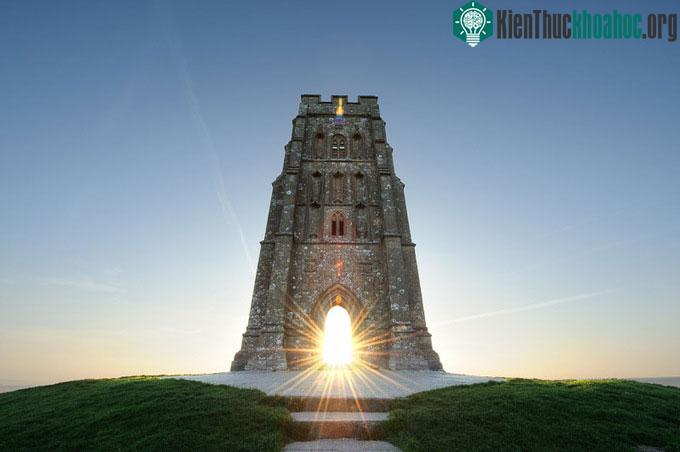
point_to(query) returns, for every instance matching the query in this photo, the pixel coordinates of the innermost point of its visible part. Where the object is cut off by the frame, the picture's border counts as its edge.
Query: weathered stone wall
(304, 268)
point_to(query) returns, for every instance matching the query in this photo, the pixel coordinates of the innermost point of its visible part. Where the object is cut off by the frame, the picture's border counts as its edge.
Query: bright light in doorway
(337, 338)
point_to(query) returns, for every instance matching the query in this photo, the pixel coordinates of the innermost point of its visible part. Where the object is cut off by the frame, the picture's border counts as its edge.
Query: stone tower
(337, 234)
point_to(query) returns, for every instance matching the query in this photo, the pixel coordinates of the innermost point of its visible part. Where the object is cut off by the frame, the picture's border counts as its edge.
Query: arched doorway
(339, 309)
(338, 347)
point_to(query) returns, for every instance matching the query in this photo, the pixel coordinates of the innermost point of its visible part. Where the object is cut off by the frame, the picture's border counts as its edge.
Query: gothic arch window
(338, 147)
(337, 224)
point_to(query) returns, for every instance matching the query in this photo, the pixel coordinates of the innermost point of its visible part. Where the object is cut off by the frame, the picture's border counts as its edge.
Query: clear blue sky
(138, 142)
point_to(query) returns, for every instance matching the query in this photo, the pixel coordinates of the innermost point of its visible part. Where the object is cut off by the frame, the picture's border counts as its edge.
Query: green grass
(140, 413)
(152, 414)
(610, 415)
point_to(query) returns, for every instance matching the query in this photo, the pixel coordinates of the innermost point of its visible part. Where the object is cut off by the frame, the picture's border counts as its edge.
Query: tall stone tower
(337, 234)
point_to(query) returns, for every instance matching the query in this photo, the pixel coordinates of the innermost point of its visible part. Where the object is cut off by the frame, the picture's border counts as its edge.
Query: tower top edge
(310, 99)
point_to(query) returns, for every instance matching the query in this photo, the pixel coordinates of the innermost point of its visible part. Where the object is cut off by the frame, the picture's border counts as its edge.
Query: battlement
(309, 99)
(364, 106)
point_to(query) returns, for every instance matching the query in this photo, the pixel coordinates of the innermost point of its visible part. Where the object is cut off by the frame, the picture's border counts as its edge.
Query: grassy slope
(140, 414)
(538, 415)
(143, 413)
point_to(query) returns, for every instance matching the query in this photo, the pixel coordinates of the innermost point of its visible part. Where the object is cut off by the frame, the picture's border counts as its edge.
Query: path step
(335, 416)
(340, 445)
(335, 424)
(338, 404)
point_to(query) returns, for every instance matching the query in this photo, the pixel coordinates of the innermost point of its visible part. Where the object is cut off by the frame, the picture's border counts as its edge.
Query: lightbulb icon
(473, 21)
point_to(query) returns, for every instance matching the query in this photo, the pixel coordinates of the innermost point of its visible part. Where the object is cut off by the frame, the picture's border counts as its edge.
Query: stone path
(330, 416)
(316, 425)
(362, 384)
(341, 445)
(339, 410)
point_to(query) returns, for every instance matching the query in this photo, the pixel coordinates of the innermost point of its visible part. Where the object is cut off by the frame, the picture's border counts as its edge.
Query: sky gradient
(138, 142)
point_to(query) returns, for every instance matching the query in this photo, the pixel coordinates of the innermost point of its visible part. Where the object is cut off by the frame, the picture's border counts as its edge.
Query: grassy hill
(147, 413)
(140, 413)
(602, 415)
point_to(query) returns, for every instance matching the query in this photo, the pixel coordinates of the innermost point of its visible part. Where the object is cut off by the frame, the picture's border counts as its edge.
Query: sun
(337, 338)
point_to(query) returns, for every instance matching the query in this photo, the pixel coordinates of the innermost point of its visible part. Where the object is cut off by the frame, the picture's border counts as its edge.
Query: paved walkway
(341, 445)
(338, 416)
(338, 427)
(349, 384)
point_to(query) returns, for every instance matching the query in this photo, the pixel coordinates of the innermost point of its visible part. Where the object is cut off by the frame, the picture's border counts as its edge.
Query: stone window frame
(338, 224)
(338, 146)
